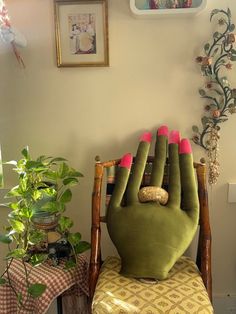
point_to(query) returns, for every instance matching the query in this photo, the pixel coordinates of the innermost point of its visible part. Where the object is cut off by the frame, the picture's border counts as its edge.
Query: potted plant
(38, 230)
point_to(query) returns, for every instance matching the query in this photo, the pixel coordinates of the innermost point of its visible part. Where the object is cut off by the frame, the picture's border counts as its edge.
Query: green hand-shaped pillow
(151, 237)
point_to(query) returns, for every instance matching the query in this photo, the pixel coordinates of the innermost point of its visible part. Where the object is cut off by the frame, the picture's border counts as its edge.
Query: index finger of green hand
(138, 168)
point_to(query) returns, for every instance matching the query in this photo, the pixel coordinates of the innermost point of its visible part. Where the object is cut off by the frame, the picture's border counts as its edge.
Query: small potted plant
(38, 230)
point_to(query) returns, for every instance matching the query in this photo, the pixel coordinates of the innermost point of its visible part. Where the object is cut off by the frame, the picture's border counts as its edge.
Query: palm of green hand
(148, 236)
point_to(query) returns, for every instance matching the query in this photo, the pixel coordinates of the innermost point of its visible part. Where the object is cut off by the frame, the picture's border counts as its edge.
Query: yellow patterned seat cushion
(182, 293)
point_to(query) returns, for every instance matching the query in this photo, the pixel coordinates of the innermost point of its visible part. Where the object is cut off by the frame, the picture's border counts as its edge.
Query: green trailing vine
(220, 97)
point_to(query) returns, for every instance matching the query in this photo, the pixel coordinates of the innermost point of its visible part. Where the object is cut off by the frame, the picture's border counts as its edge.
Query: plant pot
(44, 220)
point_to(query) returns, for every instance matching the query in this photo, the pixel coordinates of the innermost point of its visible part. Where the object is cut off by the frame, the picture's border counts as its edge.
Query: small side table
(57, 279)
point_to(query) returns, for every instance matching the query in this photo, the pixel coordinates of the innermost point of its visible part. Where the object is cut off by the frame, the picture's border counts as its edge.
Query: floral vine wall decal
(220, 98)
(10, 35)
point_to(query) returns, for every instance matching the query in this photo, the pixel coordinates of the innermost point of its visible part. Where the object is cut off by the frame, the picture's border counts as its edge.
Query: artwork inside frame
(81, 33)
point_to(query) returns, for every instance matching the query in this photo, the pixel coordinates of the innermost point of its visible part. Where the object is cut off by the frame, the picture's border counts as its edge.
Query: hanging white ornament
(10, 35)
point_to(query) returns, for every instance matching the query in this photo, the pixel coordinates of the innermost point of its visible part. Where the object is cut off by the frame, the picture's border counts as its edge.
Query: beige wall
(81, 112)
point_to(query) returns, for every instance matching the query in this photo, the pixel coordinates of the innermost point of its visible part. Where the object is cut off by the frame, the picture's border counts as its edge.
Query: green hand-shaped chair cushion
(151, 237)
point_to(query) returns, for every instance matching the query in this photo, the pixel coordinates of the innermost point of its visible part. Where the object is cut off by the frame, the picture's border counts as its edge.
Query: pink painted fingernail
(174, 137)
(163, 130)
(146, 137)
(185, 147)
(126, 161)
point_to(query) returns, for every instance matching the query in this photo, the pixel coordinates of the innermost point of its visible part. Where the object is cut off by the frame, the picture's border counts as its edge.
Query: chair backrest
(107, 171)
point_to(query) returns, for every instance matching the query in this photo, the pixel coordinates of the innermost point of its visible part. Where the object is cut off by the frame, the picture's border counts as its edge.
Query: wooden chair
(203, 259)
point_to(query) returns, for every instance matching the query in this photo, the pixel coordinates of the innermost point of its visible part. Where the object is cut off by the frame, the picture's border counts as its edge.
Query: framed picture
(81, 33)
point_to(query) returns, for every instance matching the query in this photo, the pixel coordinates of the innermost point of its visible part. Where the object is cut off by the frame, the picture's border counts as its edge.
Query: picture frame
(81, 29)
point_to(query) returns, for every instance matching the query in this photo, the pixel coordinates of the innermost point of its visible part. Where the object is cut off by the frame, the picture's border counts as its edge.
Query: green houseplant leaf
(2, 281)
(17, 225)
(65, 223)
(63, 170)
(17, 253)
(38, 259)
(14, 192)
(70, 181)
(66, 196)
(74, 238)
(6, 239)
(36, 290)
(82, 247)
(19, 297)
(25, 152)
(74, 173)
(53, 160)
(70, 264)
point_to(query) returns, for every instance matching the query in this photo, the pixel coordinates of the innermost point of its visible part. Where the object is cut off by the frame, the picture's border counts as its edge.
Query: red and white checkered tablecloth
(57, 280)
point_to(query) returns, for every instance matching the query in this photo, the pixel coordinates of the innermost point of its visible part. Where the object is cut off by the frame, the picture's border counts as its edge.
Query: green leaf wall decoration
(220, 98)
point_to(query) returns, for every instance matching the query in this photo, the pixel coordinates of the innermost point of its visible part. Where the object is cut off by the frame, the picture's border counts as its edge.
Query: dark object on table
(58, 250)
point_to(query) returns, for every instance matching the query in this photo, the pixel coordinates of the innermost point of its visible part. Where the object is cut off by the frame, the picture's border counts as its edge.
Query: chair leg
(59, 305)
